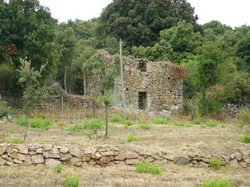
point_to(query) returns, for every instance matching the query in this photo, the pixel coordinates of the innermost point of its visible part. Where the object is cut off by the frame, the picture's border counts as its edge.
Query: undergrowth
(131, 138)
(161, 121)
(145, 167)
(145, 126)
(36, 122)
(245, 139)
(218, 183)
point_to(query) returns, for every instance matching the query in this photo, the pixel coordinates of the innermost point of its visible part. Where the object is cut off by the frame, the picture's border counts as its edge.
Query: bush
(117, 118)
(58, 169)
(179, 124)
(93, 124)
(72, 181)
(197, 121)
(210, 106)
(16, 141)
(218, 183)
(216, 164)
(212, 123)
(245, 139)
(145, 126)
(112, 127)
(39, 123)
(145, 167)
(131, 138)
(128, 123)
(76, 128)
(161, 121)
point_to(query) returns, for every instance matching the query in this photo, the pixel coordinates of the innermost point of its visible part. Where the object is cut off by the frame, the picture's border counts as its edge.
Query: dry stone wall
(103, 156)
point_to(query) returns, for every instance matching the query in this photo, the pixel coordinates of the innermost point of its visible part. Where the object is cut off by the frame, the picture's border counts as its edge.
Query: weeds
(141, 121)
(112, 127)
(117, 118)
(39, 123)
(223, 126)
(197, 121)
(61, 124)
(145, 167)
(179, 124)
(216, 164)
(93, 124)
(58, 169)
(131, 138)
(218, 183)
(42, 142)
(128, 123)
(212, 123)
(161, 121)
(245, 139)
(203, 126)
(72, 181)
(145, 126)
(16, 141)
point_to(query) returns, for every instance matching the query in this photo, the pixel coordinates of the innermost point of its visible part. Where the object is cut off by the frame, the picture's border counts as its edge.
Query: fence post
(62, 104)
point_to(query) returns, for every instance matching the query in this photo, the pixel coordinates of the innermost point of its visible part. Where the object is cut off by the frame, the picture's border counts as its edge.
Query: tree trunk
(84, 85)
(27, 127)
(107, 127)
(94, 108)
(65, 77)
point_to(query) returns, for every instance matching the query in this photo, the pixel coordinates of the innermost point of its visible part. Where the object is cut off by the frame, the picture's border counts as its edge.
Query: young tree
(33, 93)
(107, 100)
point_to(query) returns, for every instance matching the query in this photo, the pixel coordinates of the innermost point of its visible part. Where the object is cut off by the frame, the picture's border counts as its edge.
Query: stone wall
(103, 156)
(143, 76)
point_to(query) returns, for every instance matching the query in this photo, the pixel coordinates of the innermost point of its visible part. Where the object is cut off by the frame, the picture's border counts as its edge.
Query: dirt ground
(169, 138)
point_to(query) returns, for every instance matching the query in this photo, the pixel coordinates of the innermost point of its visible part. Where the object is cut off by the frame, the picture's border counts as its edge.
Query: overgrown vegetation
(245, 139)
(16, 141)
(216, 164)
(117, 118)
(218, 183)
(211, 123)
(131, 138)
(35, 122)
(161, 121)
(145, 167)
(72, 181)
(145, 126)
(58, 168)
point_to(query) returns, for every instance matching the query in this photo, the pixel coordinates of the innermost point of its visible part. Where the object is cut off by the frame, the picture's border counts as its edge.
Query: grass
(35, 122)
(93, 124)
(161, 121)
(112, 127)
(127, 124)
(223, 126)
(216, 164)
(145, 167)
(211, 123)
(218, 183)
(197, 121)
(131, 138)
(117, 118)
(16, 141)
(245, 139)
(145, 126)
(182, 124)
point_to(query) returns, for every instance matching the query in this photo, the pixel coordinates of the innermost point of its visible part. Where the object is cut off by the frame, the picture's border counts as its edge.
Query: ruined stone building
(147, 85)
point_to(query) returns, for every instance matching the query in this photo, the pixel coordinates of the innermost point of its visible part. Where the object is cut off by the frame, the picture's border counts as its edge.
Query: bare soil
(212, 141)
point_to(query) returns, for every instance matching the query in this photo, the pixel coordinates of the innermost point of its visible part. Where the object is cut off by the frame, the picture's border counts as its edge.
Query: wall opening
(142, 100)
(142, 66)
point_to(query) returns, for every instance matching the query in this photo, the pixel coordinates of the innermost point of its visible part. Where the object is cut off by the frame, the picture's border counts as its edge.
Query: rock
(51, 162)
(109, 153)
(243, 164)
(37, 159)
(150, 159)
(89, 150)
(169, 157)
(39, 150)
(9, 163)
(181, 160)
(65, 156)
(31, 153)
(74, 161)
(165, 115)
(17, 161)
(131, 155)
(46, 154)
(246, 156)
(190, 165)
(46, 147)
(232, 156)
(97, 155)
(64, 149)
(92, 162)
(131, 161)
(38, 146)
(238, 156)
(86, 158)
(26, 158)
(23, 149)
(120, 157)
(2, 161)
(206, 160)
(2, 150)
(5, 156)
(234, 163)
(53, 153)
(76, 152)
(110, 164)
(226, 159)
(32, 148)
(13, 155)
(104, 160)
(203, 164)
(145, 154)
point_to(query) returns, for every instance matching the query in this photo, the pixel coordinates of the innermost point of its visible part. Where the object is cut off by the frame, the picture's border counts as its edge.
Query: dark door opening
(142, 100)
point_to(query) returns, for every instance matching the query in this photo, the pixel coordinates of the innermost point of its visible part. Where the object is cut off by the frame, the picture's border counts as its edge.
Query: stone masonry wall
(49, 155)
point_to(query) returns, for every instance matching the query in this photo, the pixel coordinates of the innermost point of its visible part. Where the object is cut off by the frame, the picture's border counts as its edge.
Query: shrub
(179, 124)
(58, 169)
(216, 164)
(203, 126)
(223, 126)
(210, 106)
(72, 181)
(76, 128)
(197, 121)
(128, 123)
(42, 142)
(141, 121)
(61, 124)
(16, 141)
(21, 121)
(93, 124)
(117, 118)
(112, 127)
(161, 121)
(39, 123)
(245, 139)
(145, 126)
(131, 138)
(218, 183)
(211, 123)
(188, 125)
(145, 167)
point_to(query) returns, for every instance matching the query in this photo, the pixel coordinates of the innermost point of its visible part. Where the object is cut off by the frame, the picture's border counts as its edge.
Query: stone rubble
(50, 156)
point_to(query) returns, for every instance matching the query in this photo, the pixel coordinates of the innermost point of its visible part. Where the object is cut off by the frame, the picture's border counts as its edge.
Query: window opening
(142, 100)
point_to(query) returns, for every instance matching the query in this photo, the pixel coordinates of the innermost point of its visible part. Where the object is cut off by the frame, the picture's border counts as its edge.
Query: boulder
(238, 156)
(76, 152)
(120, 157)
(37, 159)
(131, 155)
(131, 161)
(165, 115)
(2, 150)
(26, 158)
(181, 160)
(46, 147)
(65, 156)
(52, 162)
(53, 153)
(64, 149)
(169, 157)
(23, 149)
(234, 163)
(75, 161)
(2, 161)
(104, 160)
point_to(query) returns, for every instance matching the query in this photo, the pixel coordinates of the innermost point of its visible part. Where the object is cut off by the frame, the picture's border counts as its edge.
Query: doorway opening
(142, 100)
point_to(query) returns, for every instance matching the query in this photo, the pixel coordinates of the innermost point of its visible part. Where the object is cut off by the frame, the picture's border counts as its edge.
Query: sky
(230, 12)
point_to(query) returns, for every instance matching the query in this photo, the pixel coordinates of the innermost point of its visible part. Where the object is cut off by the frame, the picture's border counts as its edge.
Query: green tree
(107, 100)
(243, 48)
(140, 22)
(33, 93)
